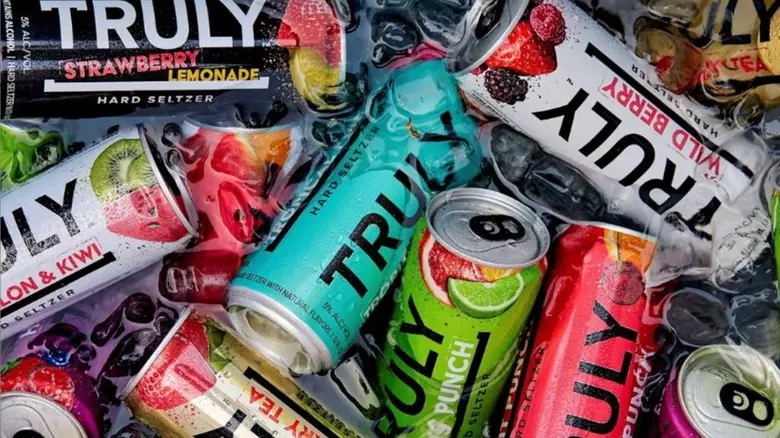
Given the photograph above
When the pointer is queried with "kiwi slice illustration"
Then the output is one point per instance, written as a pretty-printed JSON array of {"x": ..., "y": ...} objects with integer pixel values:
[
  {"x": 120, "y": 169},
  {"x": 140, "y": 173}
]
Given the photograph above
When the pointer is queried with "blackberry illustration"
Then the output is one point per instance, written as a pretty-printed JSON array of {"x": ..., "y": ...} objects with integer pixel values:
[{"x": 506, "y": 86}]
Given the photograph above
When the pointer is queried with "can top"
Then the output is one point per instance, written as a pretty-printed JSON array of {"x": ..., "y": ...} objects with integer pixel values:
[
  {"x": 488, "y": 228},
  {"x": 728, "y": 390},
  {"x": 36, "y": 415},
  {"x": 486, "y": 34},
  {"x": 183, "y": 315}
]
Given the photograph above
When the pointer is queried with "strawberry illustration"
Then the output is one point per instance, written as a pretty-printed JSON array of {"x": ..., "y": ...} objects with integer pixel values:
[
  {"x": 312, "y": 24},
  {"x": 525, "y": 53},
  {"x": 53, "y": 383},
  {"x": 144, "y": 214},
  {"x": 181, "y": 372},
  {"x": 15, "y": 373}
]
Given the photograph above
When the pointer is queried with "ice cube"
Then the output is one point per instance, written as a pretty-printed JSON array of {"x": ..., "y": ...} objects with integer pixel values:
[
  {"x": 755, "y": 319},
  {"x": 513, "y": 152},
  {"x": 440, "y": 22},
  {"x": 697, "y": 317},
  {"x": 555, "y": 184},
  {"x": 394, "y": 32}
]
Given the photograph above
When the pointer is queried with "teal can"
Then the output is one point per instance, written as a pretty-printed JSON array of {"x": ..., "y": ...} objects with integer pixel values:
[{"x": 332, "y": 255}]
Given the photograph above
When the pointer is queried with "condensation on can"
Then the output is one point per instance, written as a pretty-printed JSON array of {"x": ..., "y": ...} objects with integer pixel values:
[
  {"x": 727, "y": 390},
  {"x": 25, "y": 414},
  {"x": 488, "y": 228}
]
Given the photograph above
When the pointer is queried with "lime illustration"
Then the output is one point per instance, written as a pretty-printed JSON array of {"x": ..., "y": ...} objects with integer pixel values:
[
  {"x": 120, "y": 169},
  {"x": 485, "y": 300}
]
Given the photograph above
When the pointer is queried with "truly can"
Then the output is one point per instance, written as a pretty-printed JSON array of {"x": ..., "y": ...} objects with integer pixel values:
[
  {"x": 238, "y": 180},
  {"x": 108, "y": 337},
  {"x": 723, "y": 390},
  {"x": 720, "y": 53},
  {"x": 474, "y": 270},
  {"x": 92, "y": 220},
  {"x": 329, "y": 259},
  {"x": 99, "y": 58},
  {"x": 30, "y": 415},
  {"x": 593, "y": 350},
  {"x": 513, "y": 388},
  {"x": 771, "y": 200},
  {"x": 27, "y": 148},
  {"x": 570, "y": 85},
  {"x": 203, "y": 381},
  {"x": 65, "y": 385}
]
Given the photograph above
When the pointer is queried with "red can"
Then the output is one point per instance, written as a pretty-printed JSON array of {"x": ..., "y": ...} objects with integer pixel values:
[{"x": 592, "y": 353}]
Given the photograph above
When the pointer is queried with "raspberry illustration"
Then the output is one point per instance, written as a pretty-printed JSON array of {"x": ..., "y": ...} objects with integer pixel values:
[
  {"x": 525, "y": 53},
  {"x": 547, "y": 22},
  {"x": 506, "y": 86}
]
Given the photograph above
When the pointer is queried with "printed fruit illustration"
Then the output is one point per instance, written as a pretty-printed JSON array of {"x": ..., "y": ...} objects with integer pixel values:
[
  {"x": 623, "y": 280},
  {"x": 53, "y": 383},
  {"x": 547, "y": 22},
  {"x": 506, "y": 86},
  {"x": 525, "y": 53},
  {"x": 181, "y": 372},
  {"x": 15, "y": 373},
  {"x": 315, "y": 79},
  {"x": 199, "y": 276},
  {"x": 111, "y": 175},
  {"x": 438, "y": 266},
  {"x": 486, "y": 300},
  {"x": 66, "y": 385},
  {"x": 144, "y": 214},
  {"x": 528, "y": 50},
  {"x": 312, "y": 24},
  {"x": 244, "y": 155}
]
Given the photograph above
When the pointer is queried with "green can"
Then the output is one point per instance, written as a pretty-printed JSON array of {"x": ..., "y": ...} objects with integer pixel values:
[
  {"x": 771, "y": 195},
  {"x": 473, "y": 273}
]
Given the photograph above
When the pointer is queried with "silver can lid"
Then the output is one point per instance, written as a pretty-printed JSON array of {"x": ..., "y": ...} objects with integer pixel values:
[
  {"x": 25, "y": 414},
  {"x": 488, "y": 228},
  {"x": 733, "y": 391},
  {"x": 487, "y": 28}
]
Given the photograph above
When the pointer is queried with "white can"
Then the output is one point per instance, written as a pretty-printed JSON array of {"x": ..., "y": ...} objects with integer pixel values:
[
  {"x": 559, "y": 77},
  {"x": 89, "y": 222}
]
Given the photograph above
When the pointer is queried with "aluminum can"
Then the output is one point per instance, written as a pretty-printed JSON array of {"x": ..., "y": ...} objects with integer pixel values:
[
  {"x": 94, "y": 219},
  {"x": 66, "y": 385},
  {"x": 32, "y": 415},
  {"x": 100, "y": 58},
  {"x": 723, "y": 390},
  {"x": 771, "y": 200},
  {"x": 473, "y": 273},
  {"x": 237, "y": 178},
  {"x": 586, "y": 99},
  {"x": 26, "y": 149},
  {"x": 303, "y": 296},
  {"x": 593, "y": 351},
  {"x": 108, "y": 337},
  {"x": 719, "y": 53},
  {"x": 203, "y": 381},
  {"x": 509, "y": 412}
]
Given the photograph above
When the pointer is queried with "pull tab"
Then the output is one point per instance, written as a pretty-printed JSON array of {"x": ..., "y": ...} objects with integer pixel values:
[
  {"x": 747, "y": 404},
  {"x": 498, "y": 227}
]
